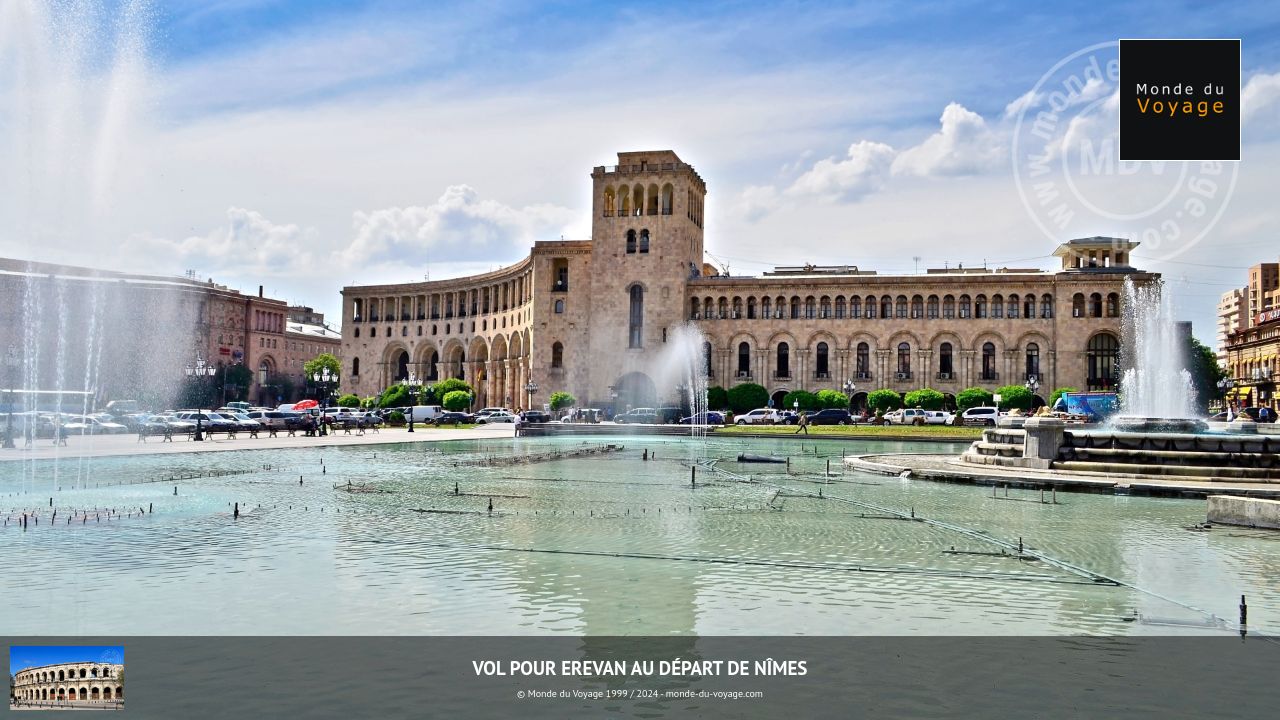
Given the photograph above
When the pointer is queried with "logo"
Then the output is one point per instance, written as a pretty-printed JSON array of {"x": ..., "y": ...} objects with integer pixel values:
[{"x": 1072, "y": 182}]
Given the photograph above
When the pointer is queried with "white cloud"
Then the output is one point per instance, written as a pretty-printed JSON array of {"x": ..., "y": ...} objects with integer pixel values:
[
  {"x": 1025, "y": 101},
  {"x": 757, "y": 201},
  {"x": 459, "y": 226},
  {"x": 862, "y": 172},
  {"x": 963, "y": 146},
  {"x": 1258, "y": 98},
  {"x": 248, "y": 244}
]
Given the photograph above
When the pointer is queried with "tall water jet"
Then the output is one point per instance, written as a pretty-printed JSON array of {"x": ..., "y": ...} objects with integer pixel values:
[
  {"x": 682, "y": 366},
  {"x": 1155, "y": 382}
]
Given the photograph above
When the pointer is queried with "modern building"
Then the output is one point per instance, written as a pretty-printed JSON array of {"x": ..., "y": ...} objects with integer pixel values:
[
  {"x": 1250, "y": 348},
  {"x": 130, "y": 336},
  {"x": 306, "y": 336},
  {"x": 603, "y": 318},
  {"x": 73, "y": 682}
]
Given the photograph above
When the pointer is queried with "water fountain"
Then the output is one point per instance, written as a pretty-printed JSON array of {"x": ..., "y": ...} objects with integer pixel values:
[
  {"x": 682, "y": 365},
  {"x": 1156, "y": 389}
]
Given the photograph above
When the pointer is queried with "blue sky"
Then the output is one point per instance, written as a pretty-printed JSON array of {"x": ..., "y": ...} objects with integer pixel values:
[
  {"x": 22, "y": 657},
  {"x": 305, "y": 145}
]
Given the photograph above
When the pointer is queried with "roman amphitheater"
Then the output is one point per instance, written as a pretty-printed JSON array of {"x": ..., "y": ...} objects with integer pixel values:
[
  {"x": 591, "y": 317},
  {"x": 70, "y": 682}
]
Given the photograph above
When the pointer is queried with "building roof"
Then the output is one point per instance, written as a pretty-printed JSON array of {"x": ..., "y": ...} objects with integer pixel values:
[{"x": 312, "y": 331}]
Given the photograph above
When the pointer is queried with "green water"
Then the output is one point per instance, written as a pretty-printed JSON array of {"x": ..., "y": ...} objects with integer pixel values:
[{"x": 600, "y": 545}]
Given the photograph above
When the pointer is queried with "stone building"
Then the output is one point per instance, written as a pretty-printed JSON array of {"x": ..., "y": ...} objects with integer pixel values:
[
  {"x": 596, "y": 317},
  {"x": 86, "y": 682},
  {"x": 129, "y": 336},
  {"x": 1250, "y": 350},
  {"x": 306, "y": 336}
]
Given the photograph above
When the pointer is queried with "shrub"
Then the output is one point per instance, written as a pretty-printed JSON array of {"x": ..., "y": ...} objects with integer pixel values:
[
  {"x": 396, "y": 417},
  {"x": 803, "y": 398},
  {"x": 448, "y": 385},
  {"x": 717, "y": 398},
  {"x": 972, "y": 397},
  {"x": 1015, "y": 396},
  {"x": 832, "y": 399},
  {"x": 395, "y": 396},
  {"x": 747, "y": 397},
  {"x": 1053, "y": 399},
  {"x": 349, "y": 401},
  {"x": 883, "y": 400},
  {"x": 926, "y": 398},
  {"x": 562, "y": 400},
  {"x": 456, "y": 400}
]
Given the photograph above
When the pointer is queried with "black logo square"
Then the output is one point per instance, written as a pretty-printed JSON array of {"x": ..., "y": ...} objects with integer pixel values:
[{"x": 1179, "y": 99}]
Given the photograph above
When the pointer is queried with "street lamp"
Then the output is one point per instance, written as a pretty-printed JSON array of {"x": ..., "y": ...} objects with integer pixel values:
[
  {"x": 10, "y": 362},
  {"x": 322, "y": 378},
  {"x": 409, "y": 383},
  {"x": 1225, "y": 385},
  {"x": 1033, "y": 385},
  {"x": 531, "y": 388},
  {"x": 199, "y": 370},
  {"x": 849, "y": 387}
]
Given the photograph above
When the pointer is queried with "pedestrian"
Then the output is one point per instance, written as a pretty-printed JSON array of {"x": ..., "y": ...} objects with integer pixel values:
[{"x": 803, "y": 424}]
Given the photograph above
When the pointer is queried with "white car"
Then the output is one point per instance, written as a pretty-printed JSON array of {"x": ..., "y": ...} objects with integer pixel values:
[
  {"x": 938, "y": 417},
  {"x": 759, "y": 416},
  {"x": 981, "y": 416},
  {"x": 893, "y": 416},
  {"x": 496, "y": 417},
  {"x": 907, "y": 416}
]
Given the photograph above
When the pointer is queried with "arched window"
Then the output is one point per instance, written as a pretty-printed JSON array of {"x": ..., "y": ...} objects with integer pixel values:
[
  {"x": 722, "y": 308},
  {"x": 433, "y": 368},
  {"x": 557, "y": 354},
  {"x": 904, "y": 360},
  {"x": 1029, "y": 307},
  {"x": 840, "y": 307},
  {"x": 751, "y": 308},
  {"x": 667, "y": 192},
  {"x": 989, "y": 361},
  {"x": 1077, "y": 305},
  {"x": 917, "y": 307},
  {"x": 610, "y": 201},
  {"x": 766, "y": 308},
  {"x": 964, "y": 306},
  {"x": 631, "y": 242},
  {"x": 795, "y": 308},
  {"x": 744, "y": 358},
  {"x": 652, "y": 198},
  {"x": 357, "y": 332},
  {"x": 855, "y": 307},
  {"x": 864, "y": 361},
  {"x": 737, "y": 308},
  {"x": 809, "y": 308},
  {"x": 871, "y": 307},
  {"x": 1033, "y": 361},
  {"x": 635, "y": 331},
  {"x": 373, "y": 332},
  {"x": 1014, "y": 303},
  {"x": 1113, "y": 305},
  {"x": 820, "y": 365},
  {"x": 1095, "y": 305},
  {"x": 624, "y": 208},
  {"x": 949, "y": 307},
  {"x": 780, "y": 307},
  {"x": 931, "y": 311},
  {"x": 997, "y": 306},
  {"x": 824, "y": 307},
  {"x": 945, "y": 363},
  {"x": 980, "y": 306},
  {"x": 708, "y": 308},
  {"x": 644, "y": 242},
  {"x": 559, "y": 306},
  {"x": 784, "y": 361},
  {"x": 1103, "y": 352},
  {"x": 1046, "y": 306},
  {"x": 886, "y": 307}
]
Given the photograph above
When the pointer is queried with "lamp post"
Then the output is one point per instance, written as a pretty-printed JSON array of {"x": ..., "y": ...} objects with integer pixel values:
[
  {"x": 10, "y": 363},
  {"x": 409, "y": 383},
  {"x": 198, "y": 371},
  {"x": 323, "y": 378},
  {"x": 1033, "y": 385},
  {"x": 531, "y": 388},
  {"x": 849, "y": 387},
  {"x": 1225, "y": 385}
]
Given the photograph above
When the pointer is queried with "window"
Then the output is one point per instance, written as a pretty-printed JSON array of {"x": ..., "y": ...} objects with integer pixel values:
[
  {"x": 784, "y": 361},
  {"x": 559, "y": 307},
  {"x": 1103, "y": 352},
  {"x": 557, "y": 355},
  {"x": 635, "y": 334},
  {"x": 751, "y": 308},
  {"x": 795, "y": 308},
  {"x": 945, "y": 363},
  {"x": 821, "y": 364},
  {"x": 357, "y": 332},
  {"x": 1095, "y": 305},
  {"x": 904, "y": 359},
  {"x": 1033, "y": 361},
  {"x": 864, "y": 360},
  {"x": 949, "y": 307},
  {"x": 1077, "y": 305},
  {"x": 644, "y": 242},
  {"x": 964, "y": 306},
  {"x": 631, "y": 242},
  {"x": 917, "y": 307},
  {"x": 1013, "y": 307},
  {"x": 1029, "y": 307},
  {"x": 855, "y": 307},
  {"x": 932, "y": 308},
  {"x": 988, "y": 361},
  {"x": 886, "y": 307},
  {"x": 744, "y": 360},
  {"x": 1113, "y": 305},
  {"x": 839, "y": 307},
  {"x": 997, "y": 306},
  {"x": 1046, "y": 306},
  {"x": 373, "y": 332},
  {"x": 980, "y": 306},
  {"x": 766, "y": 308}
]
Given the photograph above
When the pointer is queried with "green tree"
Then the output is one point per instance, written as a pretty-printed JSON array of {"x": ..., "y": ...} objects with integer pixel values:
[
  {"x": 1015, "y": 396},
  {"x": 1053, "y": 399},
  {"x": 319, "y": 363},
  {"x": 926, "y": 398},
  {"x": 349, "y": 401},
  {"x": 560, "y": 400},
  {"x": 884, "y": 400},
  {"x": 717, "y": 398},
  {"x": 972, "y": 397},
  {"x": 397, "y": 395},
  {"x": 747, "y": 397},
  {"x": 1205, "y": 373},
  {"x": 370, "y": 402},
  {"x": 805, "y": 399},
  {"x": 456, "y": 400},
  {"x": 832, "y": 399},
  {"x": 448, "y": 385},
  {"x": 237, "y": 379}
]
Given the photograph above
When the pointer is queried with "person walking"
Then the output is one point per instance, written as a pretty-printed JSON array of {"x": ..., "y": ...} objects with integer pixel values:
[{"x": 802, "y": 423}]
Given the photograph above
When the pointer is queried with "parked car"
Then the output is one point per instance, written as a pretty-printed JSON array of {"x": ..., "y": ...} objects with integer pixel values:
[
  {"x": 710, "y": 417},
  {"x": 242, "y": 420},
  {"x": 759, "y": 416},
  {"x": 1259, "y": 414},
  {"x": 637, "y": 415},
  {"x": 273, "y": 419},
  {"x": 423, "y": 413},
  {"x": 907, "y": 416},
  {"x": 668, "y": 415},
  {"x": 938, "y": 417},
  {"x": 90, "y": 425},
  {"x": 535, "y": 416},
  {"x": 491, "y": 411},
  {"x": 496, "y": 417},
  {"x": 831, "y": 416},
  {"x": 153, "y": 425},
  {"x": 980, "y": 416},
  {"x": 454, "y": 418}
]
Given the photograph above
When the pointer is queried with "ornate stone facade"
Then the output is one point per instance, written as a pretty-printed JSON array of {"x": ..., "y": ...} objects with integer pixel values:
[
  {"x": 70, "y": 682},
  {"x": 593, "y": 317}
]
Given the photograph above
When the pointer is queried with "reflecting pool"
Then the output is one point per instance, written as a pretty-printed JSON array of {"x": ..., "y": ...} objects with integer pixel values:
[{"x": 599, "y": 544}]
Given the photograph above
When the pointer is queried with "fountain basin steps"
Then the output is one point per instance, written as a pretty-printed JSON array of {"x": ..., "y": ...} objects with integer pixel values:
[{"x": 1246, "y": 511}]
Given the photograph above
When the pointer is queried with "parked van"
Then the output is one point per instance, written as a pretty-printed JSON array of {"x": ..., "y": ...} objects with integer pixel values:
[{"x": 425, "y": 413}]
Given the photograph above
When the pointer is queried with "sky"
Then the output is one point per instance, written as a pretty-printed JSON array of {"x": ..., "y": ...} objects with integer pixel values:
[
  {"x": 22, "y": 657},
  {"x": 305, "y": 145}
]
